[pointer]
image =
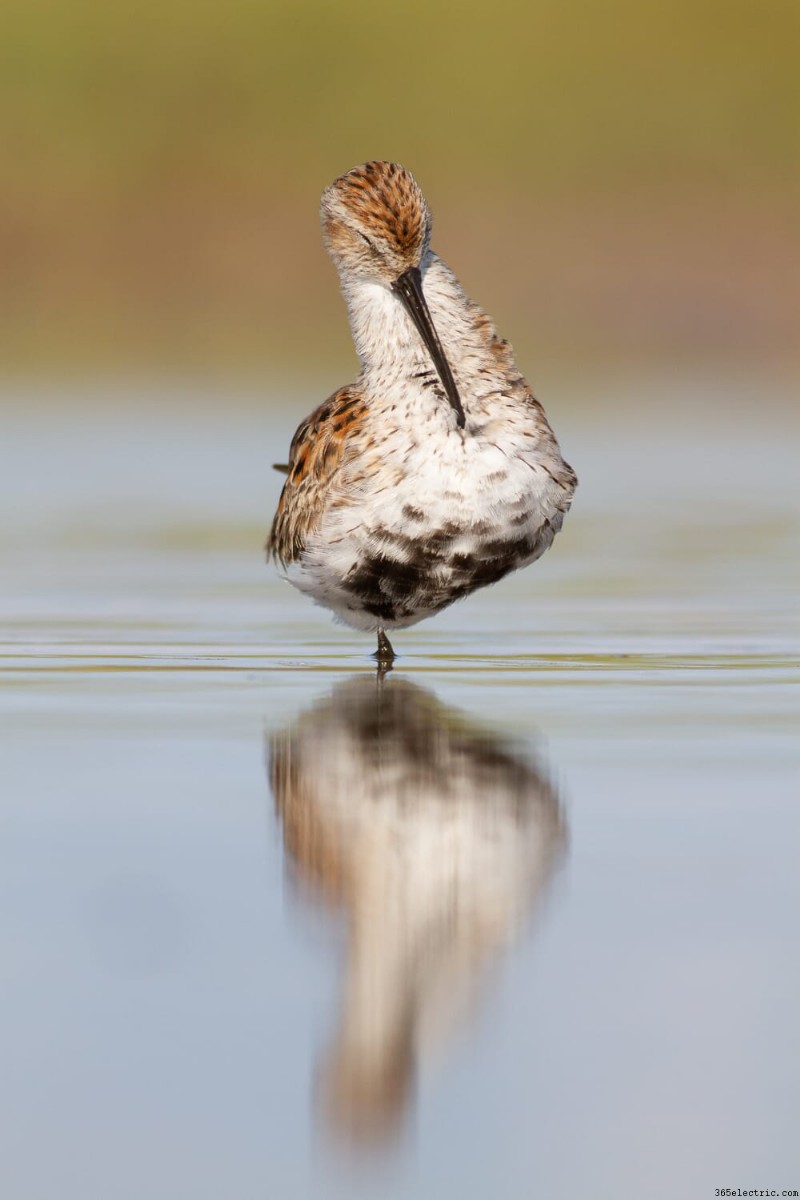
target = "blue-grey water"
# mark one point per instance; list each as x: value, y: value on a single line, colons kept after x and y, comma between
x: 520, y: 922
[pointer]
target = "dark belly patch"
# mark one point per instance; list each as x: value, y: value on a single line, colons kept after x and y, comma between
x: 406, y: 576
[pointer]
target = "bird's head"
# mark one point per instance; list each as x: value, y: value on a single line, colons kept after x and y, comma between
x: 377, y: 229
x: 375, y: 222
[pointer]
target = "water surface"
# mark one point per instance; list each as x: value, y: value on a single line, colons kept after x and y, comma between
x: 521, y: 921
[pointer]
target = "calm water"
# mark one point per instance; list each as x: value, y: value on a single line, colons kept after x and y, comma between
x: 522, y: 922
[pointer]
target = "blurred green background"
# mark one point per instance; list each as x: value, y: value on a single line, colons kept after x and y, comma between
x: 613, y: 181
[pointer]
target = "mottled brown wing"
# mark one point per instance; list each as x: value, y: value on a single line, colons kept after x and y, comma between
x: 315, y: 457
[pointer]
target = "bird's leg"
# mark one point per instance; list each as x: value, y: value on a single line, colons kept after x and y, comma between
x: 384, y: 654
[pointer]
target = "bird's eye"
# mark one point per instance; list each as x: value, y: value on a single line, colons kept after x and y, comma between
x: 364, y: 238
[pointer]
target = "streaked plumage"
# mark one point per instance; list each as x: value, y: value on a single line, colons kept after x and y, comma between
x: 436, y: 473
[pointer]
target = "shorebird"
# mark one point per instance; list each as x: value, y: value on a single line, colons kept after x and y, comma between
x: 436, y: 472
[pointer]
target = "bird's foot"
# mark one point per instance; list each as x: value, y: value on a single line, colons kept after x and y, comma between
x: 384, y: 655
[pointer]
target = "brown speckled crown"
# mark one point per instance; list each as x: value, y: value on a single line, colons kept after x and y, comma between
x: 386, y: 199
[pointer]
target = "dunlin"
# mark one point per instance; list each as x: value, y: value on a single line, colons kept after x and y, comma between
x: 436, y: 472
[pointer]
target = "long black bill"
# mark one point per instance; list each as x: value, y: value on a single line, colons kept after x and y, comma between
x: 409, y: 288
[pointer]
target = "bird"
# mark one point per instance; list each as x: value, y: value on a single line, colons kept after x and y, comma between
x: 436, y: 472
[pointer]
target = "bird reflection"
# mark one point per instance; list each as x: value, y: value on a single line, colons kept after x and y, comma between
x: 436, y: 840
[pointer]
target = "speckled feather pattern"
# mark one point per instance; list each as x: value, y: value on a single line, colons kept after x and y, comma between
x: 390, y: 511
